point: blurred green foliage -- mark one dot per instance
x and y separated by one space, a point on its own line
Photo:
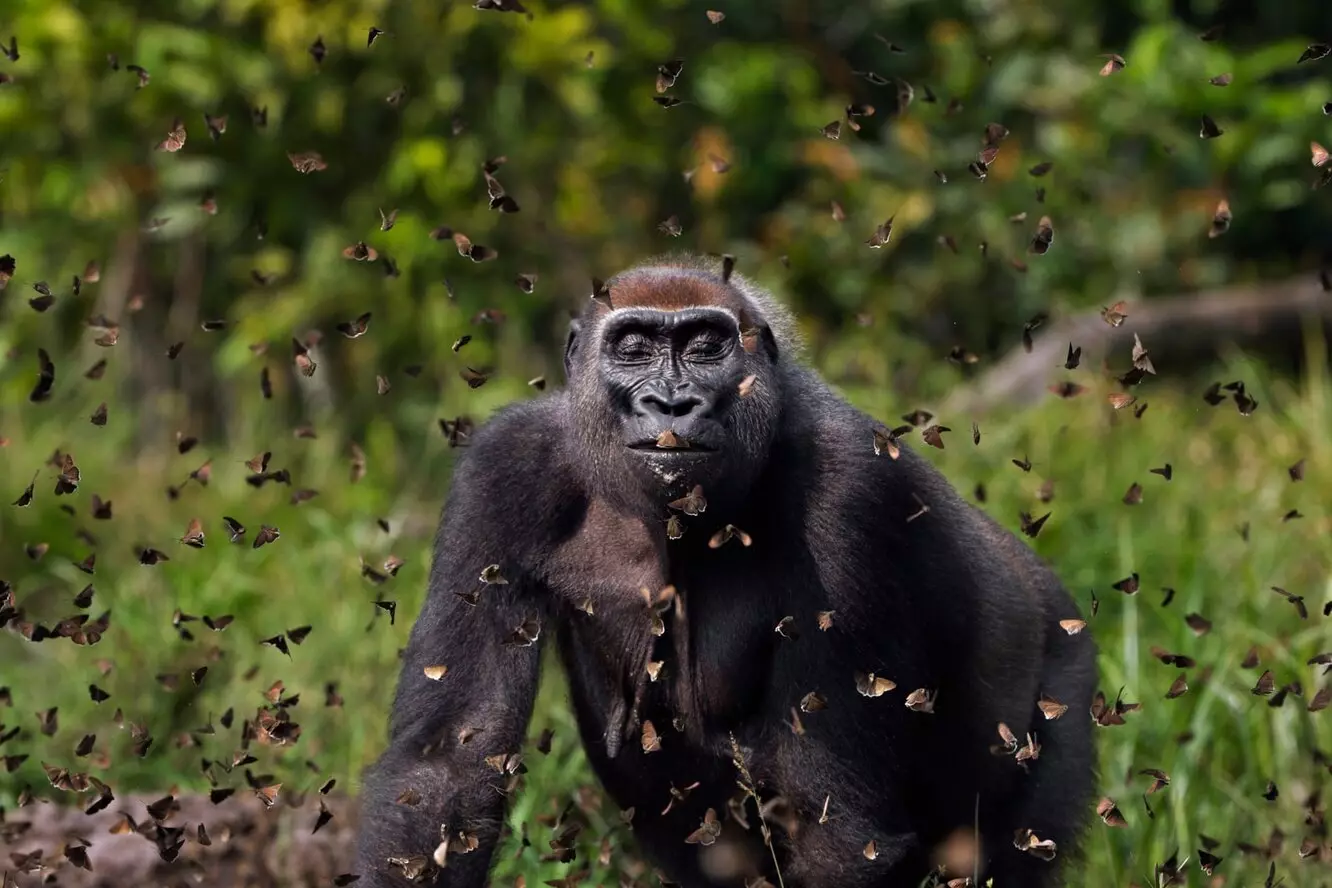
595 165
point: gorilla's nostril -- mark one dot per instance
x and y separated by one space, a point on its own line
685 406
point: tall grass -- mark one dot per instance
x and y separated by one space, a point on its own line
1220 743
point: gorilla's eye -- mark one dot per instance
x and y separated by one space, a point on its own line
705 348
633 349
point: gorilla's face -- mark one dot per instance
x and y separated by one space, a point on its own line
672 377
671 410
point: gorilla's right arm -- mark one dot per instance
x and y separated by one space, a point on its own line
434 782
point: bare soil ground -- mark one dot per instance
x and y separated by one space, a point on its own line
248 844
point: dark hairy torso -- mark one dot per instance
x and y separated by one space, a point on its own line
727 675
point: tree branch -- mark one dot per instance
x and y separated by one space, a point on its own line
1181 333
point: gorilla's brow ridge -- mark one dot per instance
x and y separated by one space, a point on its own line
638 319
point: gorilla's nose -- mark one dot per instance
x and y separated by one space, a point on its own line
668 404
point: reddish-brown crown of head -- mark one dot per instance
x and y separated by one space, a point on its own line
668 288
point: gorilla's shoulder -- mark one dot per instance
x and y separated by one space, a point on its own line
517 454
836 440
518 434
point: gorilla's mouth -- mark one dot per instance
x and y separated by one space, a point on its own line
651 446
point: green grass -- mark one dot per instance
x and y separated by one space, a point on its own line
1229 470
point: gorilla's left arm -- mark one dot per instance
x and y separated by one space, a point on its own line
926 591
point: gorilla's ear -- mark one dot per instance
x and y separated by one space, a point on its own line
571 347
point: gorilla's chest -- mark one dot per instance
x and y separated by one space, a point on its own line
668 631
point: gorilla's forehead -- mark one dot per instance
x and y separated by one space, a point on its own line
674 289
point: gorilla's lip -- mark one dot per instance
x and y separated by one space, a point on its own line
650 445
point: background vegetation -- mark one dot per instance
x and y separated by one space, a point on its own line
406 124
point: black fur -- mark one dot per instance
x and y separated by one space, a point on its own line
948 601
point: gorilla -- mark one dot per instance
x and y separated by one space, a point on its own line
761 597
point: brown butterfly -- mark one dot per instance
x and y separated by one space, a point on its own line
881 235
1116 314
139 71
1067 389
268 794
601 292
1030 752
499 199
1109 813
650 740
525 634
149 556
45 377
1220 220
267 534
216 125
1051 708
101 510
1265 684
1107 715
1314 52
692 504
1178 688
870 685
1115 63
1028 841
1297 600
1120 400
475 252
235 530
921 700
726 534
933 435
361 252
307 161
668 73
1044 237
68 480
175 139
669 440
356 328
301 355
886 442
708 831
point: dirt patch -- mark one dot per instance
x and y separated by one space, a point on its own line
248 845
